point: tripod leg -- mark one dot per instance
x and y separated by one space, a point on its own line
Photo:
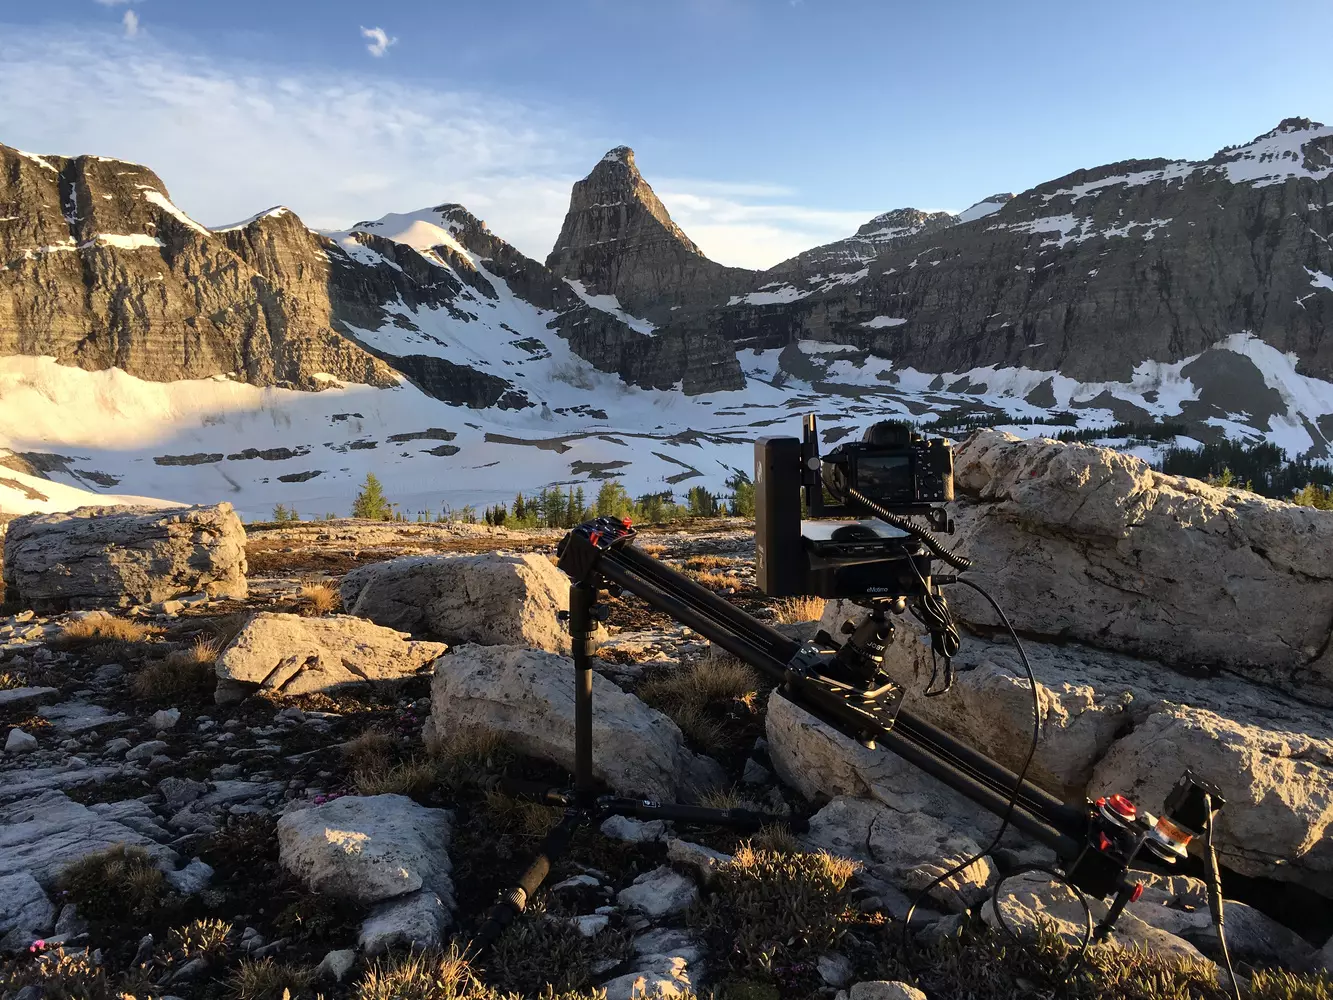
514 900
582 599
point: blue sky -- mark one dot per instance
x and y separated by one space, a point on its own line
767 126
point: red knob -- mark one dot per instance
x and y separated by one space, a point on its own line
1138 891
1122 807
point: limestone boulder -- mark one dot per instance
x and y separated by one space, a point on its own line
491 599
1114 723
291 654
1086 543
527 696
1277 779
120 556
368 848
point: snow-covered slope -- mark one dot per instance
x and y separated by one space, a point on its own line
217 439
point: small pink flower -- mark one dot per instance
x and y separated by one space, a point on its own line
38 945
320 800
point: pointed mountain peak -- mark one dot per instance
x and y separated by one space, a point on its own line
621 154
619 239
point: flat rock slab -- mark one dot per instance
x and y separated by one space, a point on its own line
368 848
290 654
42 834
27 697
490 599
25 911
26 783
120 556
79 716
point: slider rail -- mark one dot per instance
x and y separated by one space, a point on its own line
988 784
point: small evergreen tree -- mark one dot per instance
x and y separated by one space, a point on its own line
500 514
371 503
580 506
520 509
280 513
742 495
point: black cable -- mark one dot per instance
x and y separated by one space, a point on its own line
932 611
1013 798
1058 877
904 523
1215 894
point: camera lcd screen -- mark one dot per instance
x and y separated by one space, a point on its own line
885 476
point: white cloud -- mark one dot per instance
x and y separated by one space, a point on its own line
131 22
379 41
232 139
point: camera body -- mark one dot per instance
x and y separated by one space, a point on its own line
835 554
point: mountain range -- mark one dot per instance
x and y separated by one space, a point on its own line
142 353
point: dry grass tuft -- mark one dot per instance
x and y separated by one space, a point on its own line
791 610
106 638
61 975
371 748
420 975
184 674
10 679
777 838
208 939
654 549
318 599
413 778
708 562
266 979
467 755
714 581
519 816
692 696
118 883
541 952
779 909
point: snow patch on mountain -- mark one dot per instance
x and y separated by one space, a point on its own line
611 305
981 209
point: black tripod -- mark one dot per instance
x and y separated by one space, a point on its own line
584 805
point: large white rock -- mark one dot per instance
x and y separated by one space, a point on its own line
1113 723
1086 543
666 961
291 654
41 834
528 696
491 599
1029 901
1276 775
908 849
120 556
368 848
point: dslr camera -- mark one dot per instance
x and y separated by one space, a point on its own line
855 538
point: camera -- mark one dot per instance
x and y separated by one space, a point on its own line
890 475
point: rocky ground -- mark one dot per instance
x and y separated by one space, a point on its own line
165 844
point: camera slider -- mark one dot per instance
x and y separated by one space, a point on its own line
1095 843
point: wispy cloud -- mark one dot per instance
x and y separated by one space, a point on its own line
231 139
379 41
131 22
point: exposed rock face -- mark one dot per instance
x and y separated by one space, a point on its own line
120 556
528 696
1088 274
491 599
1085 543
618 239
100 269
289 654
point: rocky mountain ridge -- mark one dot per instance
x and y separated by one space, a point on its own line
1191 292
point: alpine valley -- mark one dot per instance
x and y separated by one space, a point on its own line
142 354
